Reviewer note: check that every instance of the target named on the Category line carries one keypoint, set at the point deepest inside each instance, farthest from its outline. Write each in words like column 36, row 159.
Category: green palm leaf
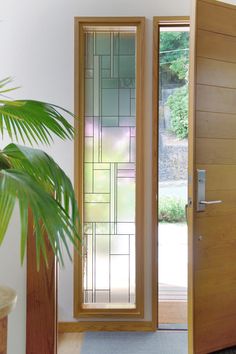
column 46, row 172
column 47, row 213
column 33, row 178
column 33, row 121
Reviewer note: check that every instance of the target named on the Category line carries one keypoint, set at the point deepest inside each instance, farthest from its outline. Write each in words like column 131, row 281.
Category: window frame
column 139, row 22
column 158, row 21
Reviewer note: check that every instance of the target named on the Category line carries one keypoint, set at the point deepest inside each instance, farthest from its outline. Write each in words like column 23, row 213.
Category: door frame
column 158, row 21
column 80, row 310
column 43, row 297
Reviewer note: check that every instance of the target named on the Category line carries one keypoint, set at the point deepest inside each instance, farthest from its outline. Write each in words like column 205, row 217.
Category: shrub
column 178, row 103
column 171, row 210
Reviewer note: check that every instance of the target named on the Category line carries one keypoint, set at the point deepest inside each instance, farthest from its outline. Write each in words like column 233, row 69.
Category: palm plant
column 33, row 178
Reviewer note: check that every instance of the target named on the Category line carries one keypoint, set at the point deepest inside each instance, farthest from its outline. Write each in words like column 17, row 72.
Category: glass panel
column 109, row 169
column 173, row 172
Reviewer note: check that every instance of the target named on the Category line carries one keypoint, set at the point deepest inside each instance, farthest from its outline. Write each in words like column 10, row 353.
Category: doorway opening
column 173, row 64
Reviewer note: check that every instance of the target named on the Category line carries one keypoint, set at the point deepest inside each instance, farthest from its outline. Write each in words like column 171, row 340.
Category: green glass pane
column 88, row 97
column 88, row 177
column 103, row 228
column 103, row 43
column 126, row 66
column 124, row 102
column 126, row 200
column 133, row 93
column 101, row 181
column 106, row 73
column 127, row 83
column 106, row 62
column 110, row 83
column 127, row 121
column 101, row 166
column 89, row 73
column 89, row 50
column 116, row 43
column 127, row 44
column 110, row 121
column 133, row 107
column 88, row 149
column 96, row 86
column 88, row 228
column 96, row 198
column 110, row 102
column 95, row 212
column 115, row 144
column 116, row 66
column 109, row 175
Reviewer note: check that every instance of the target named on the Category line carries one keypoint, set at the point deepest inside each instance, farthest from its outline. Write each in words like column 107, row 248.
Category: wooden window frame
column 139, row 23
column 158, row 21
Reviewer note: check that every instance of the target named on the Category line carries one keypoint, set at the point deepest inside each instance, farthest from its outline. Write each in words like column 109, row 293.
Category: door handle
column 201, row 191
column 209, row 202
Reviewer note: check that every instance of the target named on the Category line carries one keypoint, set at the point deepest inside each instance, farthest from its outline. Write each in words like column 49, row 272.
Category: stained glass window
column 109, row 182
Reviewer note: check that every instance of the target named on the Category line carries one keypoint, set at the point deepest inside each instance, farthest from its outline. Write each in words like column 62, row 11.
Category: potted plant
column 31, row 177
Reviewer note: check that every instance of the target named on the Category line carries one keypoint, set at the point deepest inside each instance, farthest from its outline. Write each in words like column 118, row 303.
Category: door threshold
column 173, row 326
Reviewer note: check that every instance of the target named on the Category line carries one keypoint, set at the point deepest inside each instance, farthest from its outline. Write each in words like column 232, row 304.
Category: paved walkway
column 173, row 254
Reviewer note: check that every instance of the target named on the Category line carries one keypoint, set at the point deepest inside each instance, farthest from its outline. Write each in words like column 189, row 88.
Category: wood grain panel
column 212, row 15
column 110, row 326
column 215, row 175
column 215, row 125
column 216, row 73
column 222, row 334
column 212, row 232
column 216, row 46
column 218, row 240
column 216, row 151
column 216, row 99
column 3, row 335
column 41, row 321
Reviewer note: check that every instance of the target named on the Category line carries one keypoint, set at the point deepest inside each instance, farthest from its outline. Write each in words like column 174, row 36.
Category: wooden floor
column 172, row 312
column 172, row 304
column 69, row 343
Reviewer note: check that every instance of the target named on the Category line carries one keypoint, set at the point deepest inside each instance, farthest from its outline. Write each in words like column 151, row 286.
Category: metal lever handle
column 209, row 202
column 201, row 192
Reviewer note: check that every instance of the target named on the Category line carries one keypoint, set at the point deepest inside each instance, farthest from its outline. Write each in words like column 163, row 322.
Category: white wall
column 37, row 50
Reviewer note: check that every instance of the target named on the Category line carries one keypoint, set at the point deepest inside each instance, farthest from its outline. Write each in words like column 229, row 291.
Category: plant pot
column 7, row 302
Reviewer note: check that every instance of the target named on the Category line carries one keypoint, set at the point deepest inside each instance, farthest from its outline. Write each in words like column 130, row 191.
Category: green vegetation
column 174, row 53
column 171, row 210
column 178, row 103
column 33, row 179
column 174, row 59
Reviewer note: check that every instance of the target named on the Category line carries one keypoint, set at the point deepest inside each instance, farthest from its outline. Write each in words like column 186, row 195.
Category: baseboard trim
column 86, row 326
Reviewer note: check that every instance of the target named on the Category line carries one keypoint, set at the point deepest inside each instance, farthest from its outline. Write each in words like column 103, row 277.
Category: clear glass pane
column 109, row 168
column 173, row 172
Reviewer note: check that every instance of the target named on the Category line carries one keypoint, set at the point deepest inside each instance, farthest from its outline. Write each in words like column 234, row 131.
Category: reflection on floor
column 70, row 343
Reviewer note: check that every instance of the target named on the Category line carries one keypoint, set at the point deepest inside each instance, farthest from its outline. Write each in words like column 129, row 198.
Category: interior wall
column 37, row 50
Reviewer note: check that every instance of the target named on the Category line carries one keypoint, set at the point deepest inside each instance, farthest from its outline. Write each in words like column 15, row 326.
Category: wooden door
column 212, row 147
